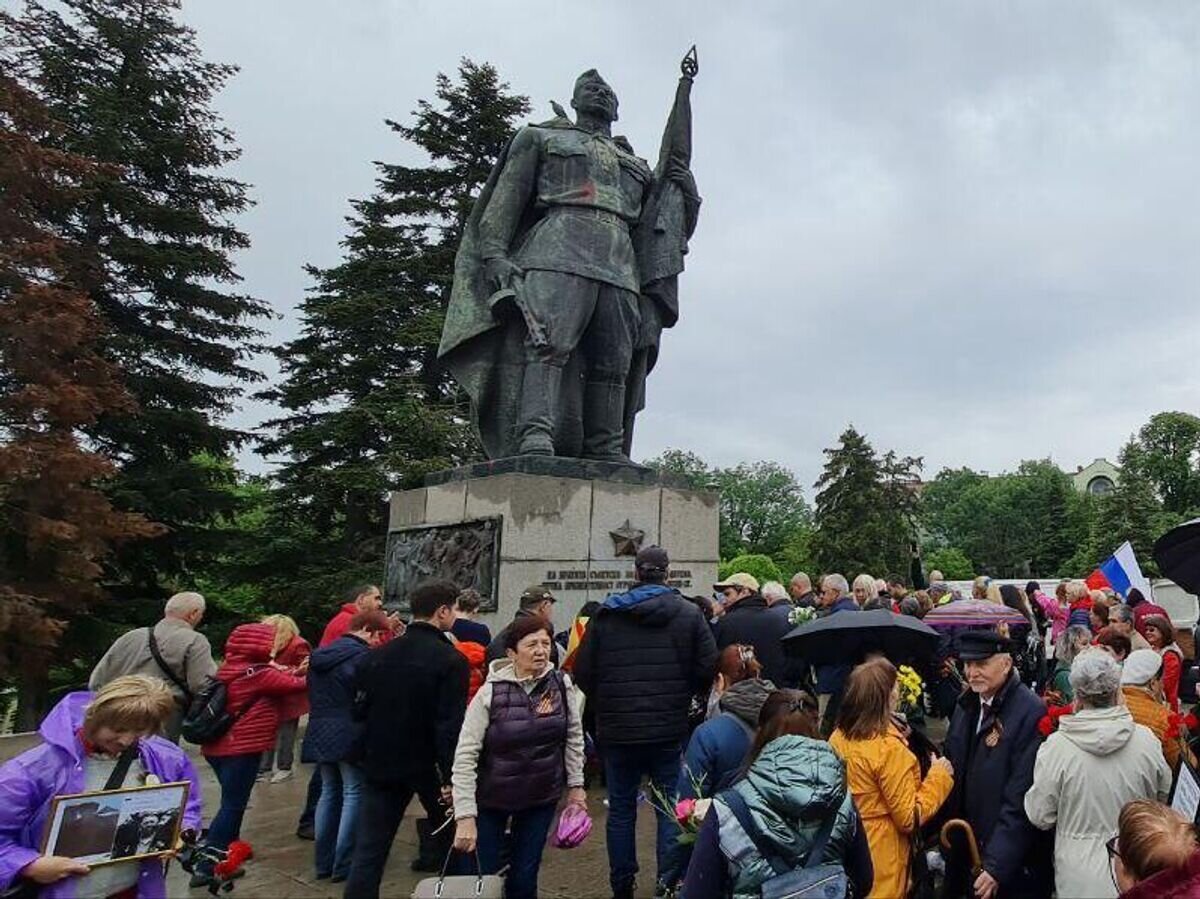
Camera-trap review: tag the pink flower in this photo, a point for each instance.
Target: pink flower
(684, 809)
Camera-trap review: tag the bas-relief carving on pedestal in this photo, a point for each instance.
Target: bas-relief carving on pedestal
(467, 553)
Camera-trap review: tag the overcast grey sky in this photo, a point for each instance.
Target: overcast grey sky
(969, 229)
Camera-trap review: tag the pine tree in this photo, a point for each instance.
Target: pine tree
(56, 527)
(864, 511)
(369, 409)
(127, 82)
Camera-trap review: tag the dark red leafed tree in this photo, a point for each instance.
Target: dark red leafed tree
(56, 526)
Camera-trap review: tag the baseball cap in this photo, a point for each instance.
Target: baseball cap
(651, 558)
(741, 579)
(535, 594)
(1140, 666)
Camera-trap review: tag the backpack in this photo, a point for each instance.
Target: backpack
(208, 717)
(812, 881)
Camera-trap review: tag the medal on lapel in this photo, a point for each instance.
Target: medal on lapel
(993, 737)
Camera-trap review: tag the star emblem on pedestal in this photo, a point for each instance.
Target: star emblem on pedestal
(627, 539)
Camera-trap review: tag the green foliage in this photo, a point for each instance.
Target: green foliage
(1166, 455)
(762, 567)
(368, 408)
(130, 88)
(796, 554)
(951, 562)
(1012, 525)
(865, 508)
(687, 465)
(1131, 512)
(762, 506)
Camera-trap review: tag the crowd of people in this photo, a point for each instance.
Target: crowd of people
(1062, 736)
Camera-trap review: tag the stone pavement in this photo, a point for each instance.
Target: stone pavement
(282, 864)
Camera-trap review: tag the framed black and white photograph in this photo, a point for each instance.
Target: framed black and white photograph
(116, 825)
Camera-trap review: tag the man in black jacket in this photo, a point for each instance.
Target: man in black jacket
(412, 694)
(749, 621)
(536, 600)
(644, 654)
(992, 743)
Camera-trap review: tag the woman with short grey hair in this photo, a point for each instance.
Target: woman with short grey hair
(1070, 644)
(773, 592)
(1086, 771)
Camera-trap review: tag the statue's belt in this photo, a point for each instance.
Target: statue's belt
(591, 212)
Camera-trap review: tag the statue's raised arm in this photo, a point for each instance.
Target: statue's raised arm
(668, 221)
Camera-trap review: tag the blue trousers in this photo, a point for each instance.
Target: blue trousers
(337, 814)
(236, 774)
(624, 767)
(526, 842)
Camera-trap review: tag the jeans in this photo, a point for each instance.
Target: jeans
(337, 813)
(284, 749)
(308, 816)
(525, 844)
(623, 768)
(236, 775)
(380, 811)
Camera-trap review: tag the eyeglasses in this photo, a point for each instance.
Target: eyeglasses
(1113, 855)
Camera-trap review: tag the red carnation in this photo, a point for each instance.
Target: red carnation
(239, 853)
(1049, 722)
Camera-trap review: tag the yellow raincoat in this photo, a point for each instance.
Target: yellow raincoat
(885, 780)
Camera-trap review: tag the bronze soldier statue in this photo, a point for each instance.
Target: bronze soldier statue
(565, 277)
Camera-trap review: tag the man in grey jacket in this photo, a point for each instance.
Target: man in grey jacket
(184, 660)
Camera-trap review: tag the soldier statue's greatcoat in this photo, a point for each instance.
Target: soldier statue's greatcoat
(565, 277)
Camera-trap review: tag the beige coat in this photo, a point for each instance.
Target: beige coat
(1096, 761)
(186, 651)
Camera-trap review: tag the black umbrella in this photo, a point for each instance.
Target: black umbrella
(1177, 553)
(844, 638)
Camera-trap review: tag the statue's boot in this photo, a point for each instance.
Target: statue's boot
(539, 400)
(604, 421)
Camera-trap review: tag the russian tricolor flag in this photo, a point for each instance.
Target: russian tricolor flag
(1121, 573)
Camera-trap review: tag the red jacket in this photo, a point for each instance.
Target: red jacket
(339, 624)
(476, 656)
(293, 705)
(1172, 658)
(255, 690)
(1173, 883)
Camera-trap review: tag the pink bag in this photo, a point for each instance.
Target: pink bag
(574, 825)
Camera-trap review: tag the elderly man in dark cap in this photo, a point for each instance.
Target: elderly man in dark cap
(536, 600)
(644, 654)
(992, 743)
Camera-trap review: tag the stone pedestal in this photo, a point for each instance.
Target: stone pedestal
(572, 525)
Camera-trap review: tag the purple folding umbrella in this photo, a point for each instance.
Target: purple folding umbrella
(973, 613)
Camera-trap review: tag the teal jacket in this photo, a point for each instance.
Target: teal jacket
(790, 789)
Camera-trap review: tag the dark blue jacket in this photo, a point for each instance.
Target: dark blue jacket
(990, 783)
(643, 655)
(832, 678)
(751, 623)
(333, 735)
(715, 755)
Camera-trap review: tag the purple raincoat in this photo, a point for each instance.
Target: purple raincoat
(29, 782)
